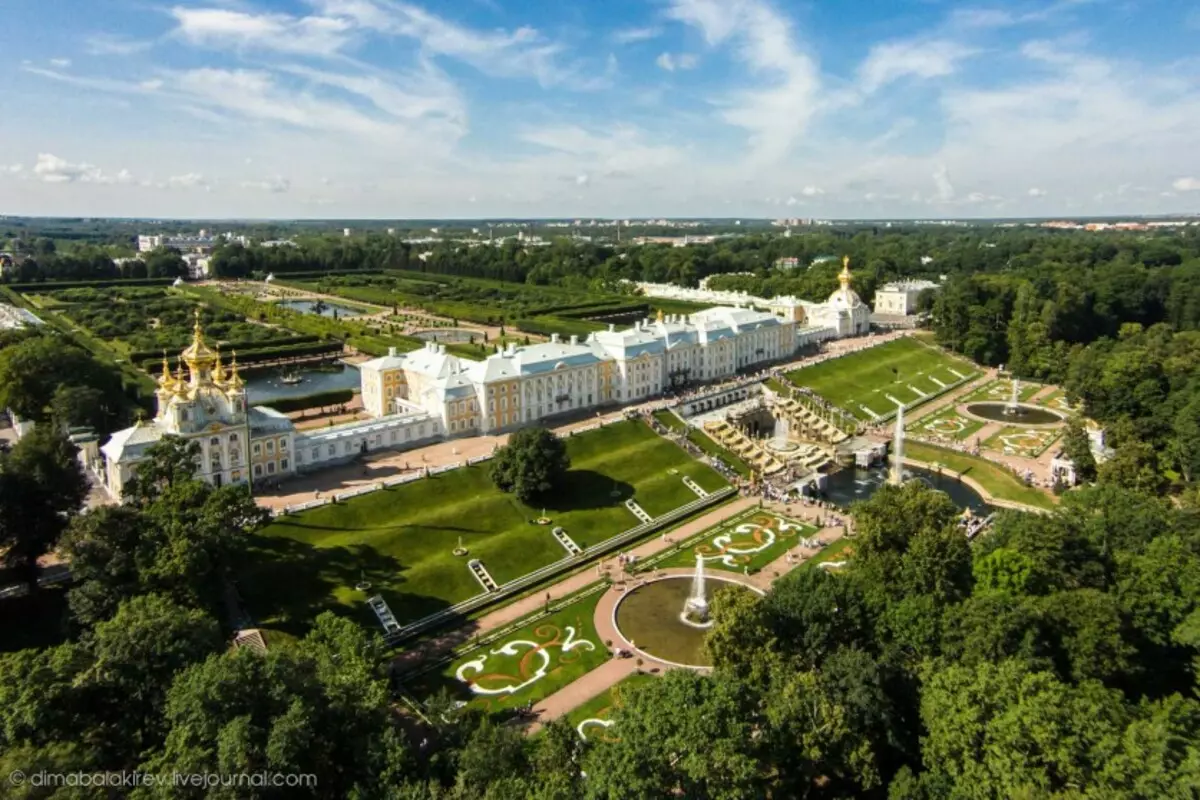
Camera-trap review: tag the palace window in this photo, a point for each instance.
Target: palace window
(258, 470)
(270, 448)
(270, 467)
(283, 465)
(214, 442)
(283, 445)
(316, 453)
(333, 450)
(257, 449)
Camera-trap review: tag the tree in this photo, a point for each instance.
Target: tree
(34, 369)
(531, 465)
(42, 486)
(78, 406)
(1134, 466)
(169, 462)
(1078, 448)
(320, 708)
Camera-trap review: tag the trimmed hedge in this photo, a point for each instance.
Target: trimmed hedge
(563, 326)
(43, 286)
(333, 397)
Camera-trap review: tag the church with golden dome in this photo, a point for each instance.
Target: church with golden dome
(207, 404)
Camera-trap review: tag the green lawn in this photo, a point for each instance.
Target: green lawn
(841, 550)
(997, 480)
(904, 369)
(751, 540)
(602, 706)
(524, 666)
(671, 420)
(708, 445)
(401, 539)
(1027, 442)
(1057, 400)
(947, 423)
(1000, 390)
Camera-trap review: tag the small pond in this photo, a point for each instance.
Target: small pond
(326, 309)
(265, 387)
(850, 485)
(1020, 415)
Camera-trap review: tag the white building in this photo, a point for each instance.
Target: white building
(843, 314)
(516, 386)
(12, 317)
(900, 298)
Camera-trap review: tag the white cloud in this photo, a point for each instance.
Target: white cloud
(275, 185)
(52, 169)
(791, 201)
(917, 58)
(941, 180)
(226, 28)
(582, 179)
(1036, 192)
(14, 168)
(151, 85)
(190, 180)
(108, 45)
(683, 61)
(61, 63)
(775, 115)
(812, 191)
(633, 35)
(1186, 185)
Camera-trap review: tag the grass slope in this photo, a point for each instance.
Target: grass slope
(998, 481)
(400, 539)
(895, 368)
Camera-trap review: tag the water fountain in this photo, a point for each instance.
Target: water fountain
(695, 608)
(781, 441)
(1012, 408)
(897, 476)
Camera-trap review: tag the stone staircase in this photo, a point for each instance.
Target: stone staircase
(386, 618)
(743, 447)
(251, 639)
(482, 575)
(638, 511)
(808, 423)
(695, 487)
(567, 542)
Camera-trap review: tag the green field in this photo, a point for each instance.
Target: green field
(947, 424)
(865, 382)
(998, 481)
(750, 541)
(1027, 442)
(841, 550)
(1000, 391)
(524, 666)
(401, 539)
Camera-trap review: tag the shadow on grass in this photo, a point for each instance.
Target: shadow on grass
(287, 583)
(585, 490)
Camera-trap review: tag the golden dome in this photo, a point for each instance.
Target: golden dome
(844, 278)
(199, 355)
(181, 385)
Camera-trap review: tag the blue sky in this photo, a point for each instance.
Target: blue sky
(614, 108)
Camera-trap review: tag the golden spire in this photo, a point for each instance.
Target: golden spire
(198, 355)
(166, 378)
(218, 373)
(660, 315)
(180, 383)
(844, 278)
(235, 382)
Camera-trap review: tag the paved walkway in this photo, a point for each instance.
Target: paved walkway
(441, 646)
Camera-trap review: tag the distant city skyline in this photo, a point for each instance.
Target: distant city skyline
(381, 109)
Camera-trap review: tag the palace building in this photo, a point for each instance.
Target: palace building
(427, 395)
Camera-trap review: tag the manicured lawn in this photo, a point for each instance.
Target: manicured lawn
(946, 423)
(749, 541)
(671, 420)
(400, 540)
(1027, 442)
(903, 369)
(1000, 390)
(841, 550)
(1056, 400)
(706, 443)
(601, 707)
(525, 666)
(998, 481)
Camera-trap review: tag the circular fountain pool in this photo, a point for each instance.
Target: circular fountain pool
(1019, 414)
(649, 618)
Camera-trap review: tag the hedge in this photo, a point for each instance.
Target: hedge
(245, 346)
(116, 283)
(333, 397)
(563, 326)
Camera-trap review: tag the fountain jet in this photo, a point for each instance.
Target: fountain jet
(1013, 407)
(897, 476)
(695, 608)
